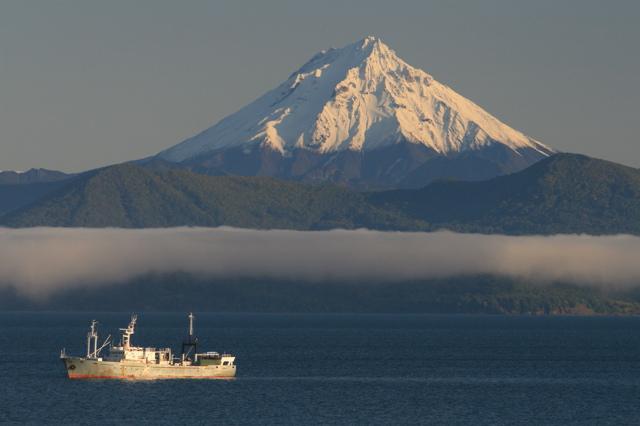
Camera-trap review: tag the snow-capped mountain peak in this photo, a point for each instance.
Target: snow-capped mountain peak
(360, 97)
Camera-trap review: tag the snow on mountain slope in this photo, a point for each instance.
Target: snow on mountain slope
(360, 97)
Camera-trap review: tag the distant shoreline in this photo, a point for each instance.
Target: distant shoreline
(477, 295)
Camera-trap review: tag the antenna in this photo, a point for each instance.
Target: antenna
(191, 317)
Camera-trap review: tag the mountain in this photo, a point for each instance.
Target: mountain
(16, 196)
(11, 177)
(130, 196)
(19, 189)
(565, 193)
(362, 117)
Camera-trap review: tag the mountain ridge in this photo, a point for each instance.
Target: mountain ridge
(566, 193)
(34, 175)
(130, 196)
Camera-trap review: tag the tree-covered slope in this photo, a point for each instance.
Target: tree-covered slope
(133, 197)
(566, 193)
(18, 195)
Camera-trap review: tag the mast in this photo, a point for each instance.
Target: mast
(191, 342)
(127, 332)
(92, 337)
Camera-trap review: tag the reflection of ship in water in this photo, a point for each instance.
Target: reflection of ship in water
(125, 361)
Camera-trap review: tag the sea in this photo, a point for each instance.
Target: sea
(304, 369)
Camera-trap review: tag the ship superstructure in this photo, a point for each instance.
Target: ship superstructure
(126, 361)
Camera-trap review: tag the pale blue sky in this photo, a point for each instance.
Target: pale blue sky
(87, 83)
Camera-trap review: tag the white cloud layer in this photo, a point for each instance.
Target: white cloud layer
(40, 260)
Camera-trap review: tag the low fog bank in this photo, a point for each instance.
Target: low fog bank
(38, 261)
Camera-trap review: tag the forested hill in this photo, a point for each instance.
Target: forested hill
(130, 196)
(566, 193)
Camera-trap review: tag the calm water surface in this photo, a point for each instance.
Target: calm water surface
(338, 369)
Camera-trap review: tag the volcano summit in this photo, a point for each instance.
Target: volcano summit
(362, 117)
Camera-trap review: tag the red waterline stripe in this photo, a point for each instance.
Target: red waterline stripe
(89, 376)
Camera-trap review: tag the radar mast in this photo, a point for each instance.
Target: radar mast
(191, 342)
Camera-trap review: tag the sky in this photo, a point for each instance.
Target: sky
(90, 83)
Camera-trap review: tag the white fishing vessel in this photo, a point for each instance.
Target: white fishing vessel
(126, 361)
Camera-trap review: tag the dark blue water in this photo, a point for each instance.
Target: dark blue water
(338, 369)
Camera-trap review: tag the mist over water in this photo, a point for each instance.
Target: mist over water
(38, 261)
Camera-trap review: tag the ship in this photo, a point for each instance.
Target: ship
(126, 361)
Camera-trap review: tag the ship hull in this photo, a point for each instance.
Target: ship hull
(80, 368)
